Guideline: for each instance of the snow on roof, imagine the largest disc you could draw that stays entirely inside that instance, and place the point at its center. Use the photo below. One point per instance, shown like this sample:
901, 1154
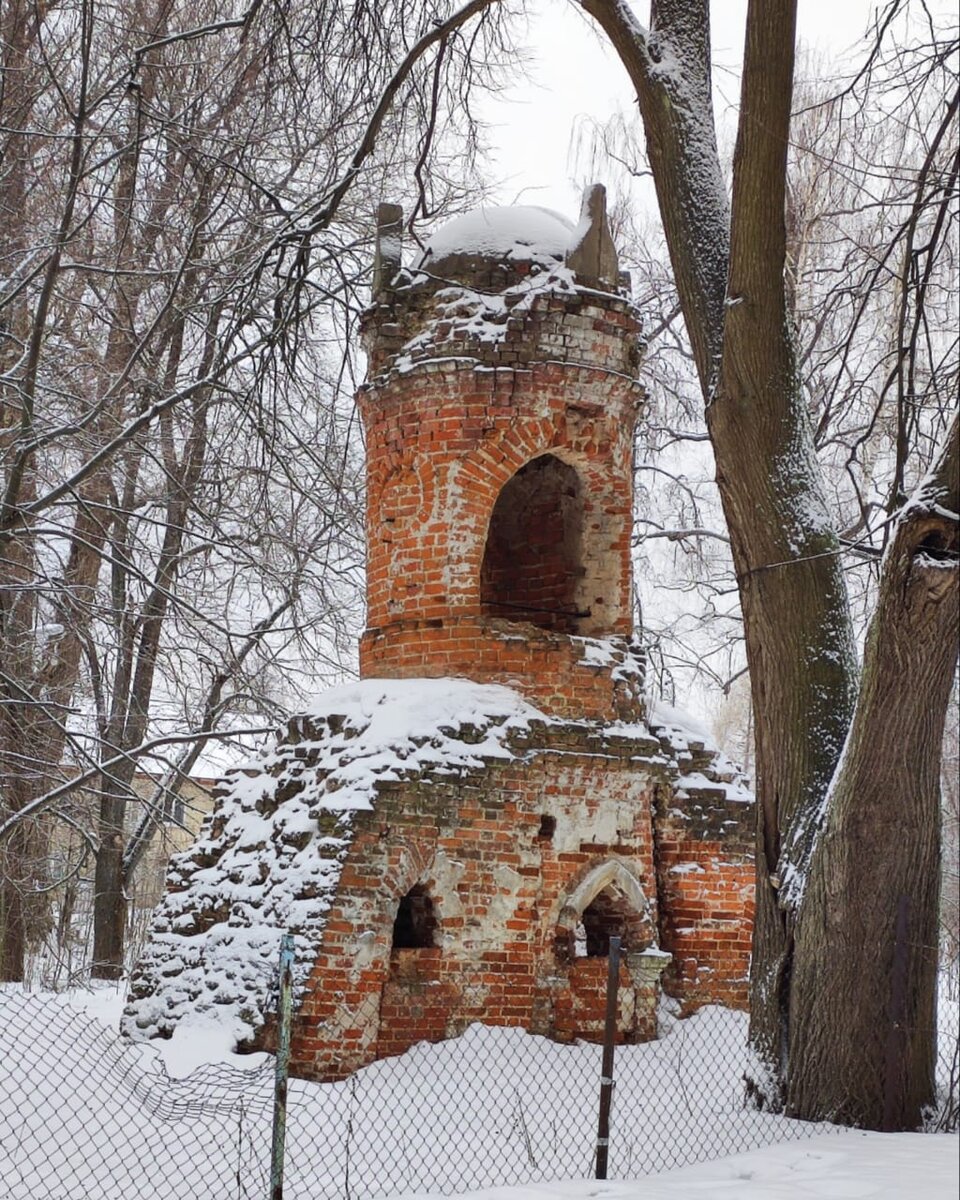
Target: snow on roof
523, 232
269, 856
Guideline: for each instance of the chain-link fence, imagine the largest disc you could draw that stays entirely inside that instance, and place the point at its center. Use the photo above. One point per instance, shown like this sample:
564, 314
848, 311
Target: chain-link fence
85, 1116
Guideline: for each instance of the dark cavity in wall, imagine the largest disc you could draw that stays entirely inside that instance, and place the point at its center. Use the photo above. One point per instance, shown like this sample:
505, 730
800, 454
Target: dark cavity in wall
611, 915
415, 926
533, 561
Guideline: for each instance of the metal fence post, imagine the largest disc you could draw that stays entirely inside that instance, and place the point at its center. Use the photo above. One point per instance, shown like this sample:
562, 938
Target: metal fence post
606, 1070
284, 1009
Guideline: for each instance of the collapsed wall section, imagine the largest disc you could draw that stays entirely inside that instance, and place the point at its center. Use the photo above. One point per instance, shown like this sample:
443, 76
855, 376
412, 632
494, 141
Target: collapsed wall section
513, 859
443, 853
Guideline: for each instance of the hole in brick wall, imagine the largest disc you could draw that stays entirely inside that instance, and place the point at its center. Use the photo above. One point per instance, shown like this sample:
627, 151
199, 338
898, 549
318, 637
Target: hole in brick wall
533, 560
548, 826
609, 915
415, 925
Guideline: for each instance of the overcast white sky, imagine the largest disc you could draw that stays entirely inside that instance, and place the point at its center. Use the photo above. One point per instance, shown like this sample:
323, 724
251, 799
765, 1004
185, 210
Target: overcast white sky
576, 79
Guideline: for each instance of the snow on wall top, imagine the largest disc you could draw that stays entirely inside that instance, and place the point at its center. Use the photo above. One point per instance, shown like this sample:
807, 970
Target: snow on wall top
482, 316
522, 232
692, 748
269, 857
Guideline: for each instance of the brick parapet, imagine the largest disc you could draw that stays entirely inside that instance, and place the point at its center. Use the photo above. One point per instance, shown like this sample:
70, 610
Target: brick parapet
500, 315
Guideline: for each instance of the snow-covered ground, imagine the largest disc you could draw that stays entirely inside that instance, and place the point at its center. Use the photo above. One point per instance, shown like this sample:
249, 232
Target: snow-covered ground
845, 1166
85, 1116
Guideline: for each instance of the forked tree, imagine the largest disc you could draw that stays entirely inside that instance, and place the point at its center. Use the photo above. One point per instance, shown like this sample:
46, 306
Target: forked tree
848, 759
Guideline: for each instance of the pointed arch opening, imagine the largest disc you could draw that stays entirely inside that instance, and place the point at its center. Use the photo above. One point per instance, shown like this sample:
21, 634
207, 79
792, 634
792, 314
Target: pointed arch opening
609, 915
415, 925
533, 560
609, 902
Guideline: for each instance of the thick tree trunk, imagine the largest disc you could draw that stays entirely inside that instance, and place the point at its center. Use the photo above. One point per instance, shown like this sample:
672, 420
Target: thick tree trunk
862, 1034
799, 638
729, 273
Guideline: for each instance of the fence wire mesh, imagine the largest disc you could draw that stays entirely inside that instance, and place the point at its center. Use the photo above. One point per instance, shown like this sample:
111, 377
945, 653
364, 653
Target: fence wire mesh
86, 1116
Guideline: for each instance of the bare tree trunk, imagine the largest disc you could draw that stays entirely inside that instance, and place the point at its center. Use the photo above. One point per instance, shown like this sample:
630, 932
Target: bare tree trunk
729, 272
133, 685
862, 1033
798, 632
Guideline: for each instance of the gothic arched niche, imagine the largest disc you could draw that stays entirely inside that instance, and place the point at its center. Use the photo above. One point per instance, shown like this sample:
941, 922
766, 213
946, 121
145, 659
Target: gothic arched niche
610, 914
609, 902
533, 560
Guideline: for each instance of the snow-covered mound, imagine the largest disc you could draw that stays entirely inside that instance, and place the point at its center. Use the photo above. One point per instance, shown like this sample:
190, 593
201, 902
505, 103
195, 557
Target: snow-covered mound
269, 856
521, 232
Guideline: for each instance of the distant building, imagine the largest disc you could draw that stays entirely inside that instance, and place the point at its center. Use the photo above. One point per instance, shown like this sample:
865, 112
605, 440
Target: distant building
455, 838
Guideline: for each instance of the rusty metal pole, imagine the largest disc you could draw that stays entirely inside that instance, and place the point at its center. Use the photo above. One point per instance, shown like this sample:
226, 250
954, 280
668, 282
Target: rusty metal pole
606, 1070
284, 1010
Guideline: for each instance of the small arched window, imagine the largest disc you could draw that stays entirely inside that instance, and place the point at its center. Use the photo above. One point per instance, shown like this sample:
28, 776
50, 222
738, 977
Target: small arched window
533, 560
609, 915
415, 925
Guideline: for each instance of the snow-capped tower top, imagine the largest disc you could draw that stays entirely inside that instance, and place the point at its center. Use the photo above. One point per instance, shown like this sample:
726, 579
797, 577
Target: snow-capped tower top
499, 413
492, 251
520, 233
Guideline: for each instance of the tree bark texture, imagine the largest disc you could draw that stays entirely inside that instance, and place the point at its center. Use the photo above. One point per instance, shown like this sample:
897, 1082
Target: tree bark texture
729, 271
799, 638
862, 1033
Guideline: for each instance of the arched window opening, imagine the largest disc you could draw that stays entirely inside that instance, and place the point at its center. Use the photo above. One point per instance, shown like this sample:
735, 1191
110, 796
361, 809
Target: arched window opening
609, 915
415, 925
533, 560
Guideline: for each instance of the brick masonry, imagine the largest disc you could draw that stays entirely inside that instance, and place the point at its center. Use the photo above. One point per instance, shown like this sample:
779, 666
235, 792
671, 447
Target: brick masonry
499, 523
482, 883
513, 856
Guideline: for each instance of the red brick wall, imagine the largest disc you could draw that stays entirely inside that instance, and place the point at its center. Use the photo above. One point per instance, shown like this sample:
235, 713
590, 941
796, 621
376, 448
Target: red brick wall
705, 878
548, 668
444, 441
581, 1009
498, 890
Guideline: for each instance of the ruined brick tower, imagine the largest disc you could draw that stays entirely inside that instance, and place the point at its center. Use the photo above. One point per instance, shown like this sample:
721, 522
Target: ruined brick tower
499, 417
455, 838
